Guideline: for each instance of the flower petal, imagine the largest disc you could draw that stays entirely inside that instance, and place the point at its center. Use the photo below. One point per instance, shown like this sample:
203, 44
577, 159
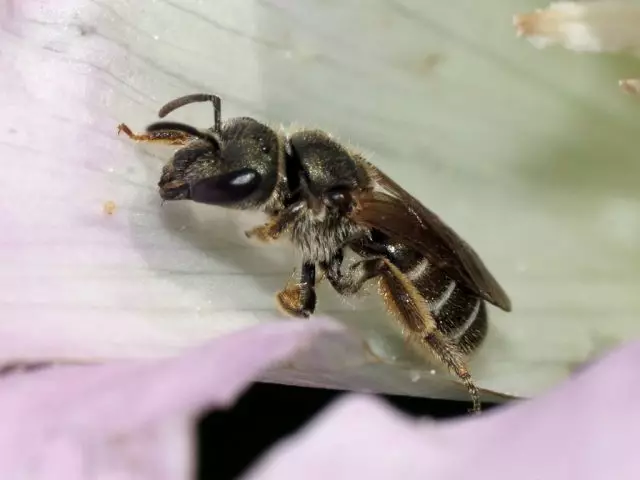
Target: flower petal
132, 418
589, 427
594, 26
504, 144
630, 85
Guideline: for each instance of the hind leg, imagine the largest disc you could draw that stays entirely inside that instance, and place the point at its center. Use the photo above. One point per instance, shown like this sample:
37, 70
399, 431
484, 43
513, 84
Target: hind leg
408, 307
350, 281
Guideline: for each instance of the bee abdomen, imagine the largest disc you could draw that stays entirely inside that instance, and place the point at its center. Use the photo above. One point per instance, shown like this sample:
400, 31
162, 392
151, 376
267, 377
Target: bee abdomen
459, 313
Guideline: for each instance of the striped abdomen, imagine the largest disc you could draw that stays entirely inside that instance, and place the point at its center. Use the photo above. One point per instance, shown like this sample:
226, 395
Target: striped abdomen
459, 313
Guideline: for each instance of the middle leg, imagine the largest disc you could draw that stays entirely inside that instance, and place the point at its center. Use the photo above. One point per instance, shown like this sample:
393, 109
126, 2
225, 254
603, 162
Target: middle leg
352, 280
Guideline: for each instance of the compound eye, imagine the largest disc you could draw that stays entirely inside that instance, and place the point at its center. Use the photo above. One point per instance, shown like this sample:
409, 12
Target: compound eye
226, 189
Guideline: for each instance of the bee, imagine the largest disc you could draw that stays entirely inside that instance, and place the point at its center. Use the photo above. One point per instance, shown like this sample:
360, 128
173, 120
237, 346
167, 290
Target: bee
328, 199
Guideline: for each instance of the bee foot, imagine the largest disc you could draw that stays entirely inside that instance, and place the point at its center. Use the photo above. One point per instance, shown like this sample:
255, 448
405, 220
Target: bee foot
123, 128
290, 302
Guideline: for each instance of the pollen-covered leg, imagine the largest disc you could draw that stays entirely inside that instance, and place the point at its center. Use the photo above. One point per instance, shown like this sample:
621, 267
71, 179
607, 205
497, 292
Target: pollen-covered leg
299, 299
407, 305
296, 300
166, 137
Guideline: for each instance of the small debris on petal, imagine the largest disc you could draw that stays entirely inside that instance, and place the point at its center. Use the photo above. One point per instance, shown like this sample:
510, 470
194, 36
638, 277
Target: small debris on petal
109, 207
630, 86
369, 355
597, 26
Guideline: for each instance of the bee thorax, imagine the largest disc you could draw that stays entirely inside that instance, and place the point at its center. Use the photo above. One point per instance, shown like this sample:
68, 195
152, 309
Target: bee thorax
319, 237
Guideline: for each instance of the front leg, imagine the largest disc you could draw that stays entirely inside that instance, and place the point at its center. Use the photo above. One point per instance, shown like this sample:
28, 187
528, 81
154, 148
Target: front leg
299, 300
352, 280
166, 137
275, 227
272, 230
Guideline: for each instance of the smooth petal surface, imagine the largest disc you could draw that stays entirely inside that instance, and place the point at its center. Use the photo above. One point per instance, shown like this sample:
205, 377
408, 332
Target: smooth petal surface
588, 428
531, 157
132, 420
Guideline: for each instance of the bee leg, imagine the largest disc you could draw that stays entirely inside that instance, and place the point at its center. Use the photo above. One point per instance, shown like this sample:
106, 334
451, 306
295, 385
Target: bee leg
352, 280
275, 227
299, 300
167, 137
409, 308
267, 232
406, 304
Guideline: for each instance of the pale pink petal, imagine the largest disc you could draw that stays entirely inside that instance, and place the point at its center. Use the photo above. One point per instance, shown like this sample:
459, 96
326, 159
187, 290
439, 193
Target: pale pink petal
588, 428
131, 420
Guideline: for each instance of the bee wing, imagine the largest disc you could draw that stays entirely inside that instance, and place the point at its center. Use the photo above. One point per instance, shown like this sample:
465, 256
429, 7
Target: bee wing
399, 215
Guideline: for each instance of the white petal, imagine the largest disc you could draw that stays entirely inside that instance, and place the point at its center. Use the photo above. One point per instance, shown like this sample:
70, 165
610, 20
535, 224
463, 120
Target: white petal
528, 156
630, 85
596, 26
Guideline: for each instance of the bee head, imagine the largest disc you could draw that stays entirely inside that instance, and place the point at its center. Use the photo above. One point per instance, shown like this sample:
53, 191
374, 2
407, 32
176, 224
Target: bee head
237, 168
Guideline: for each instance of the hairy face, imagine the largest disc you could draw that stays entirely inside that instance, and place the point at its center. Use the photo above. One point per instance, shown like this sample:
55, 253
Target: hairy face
239, 171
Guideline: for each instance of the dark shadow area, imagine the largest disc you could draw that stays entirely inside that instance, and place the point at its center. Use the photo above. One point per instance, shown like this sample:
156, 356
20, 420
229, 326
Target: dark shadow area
230, 441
